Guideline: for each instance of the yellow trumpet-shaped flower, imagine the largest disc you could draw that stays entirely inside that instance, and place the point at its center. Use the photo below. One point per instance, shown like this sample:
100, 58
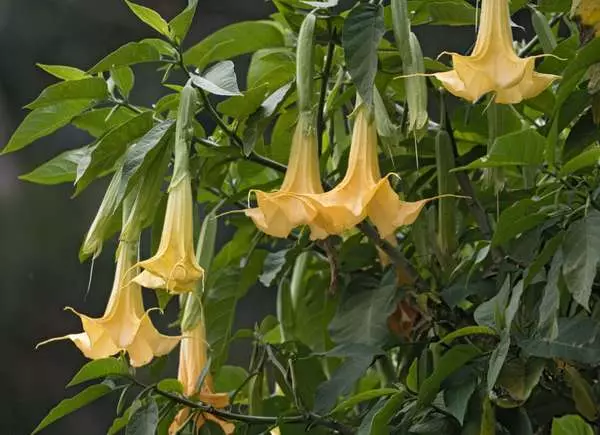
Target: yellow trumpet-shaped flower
174, 266
192, 363
494, 66
589, 12
125, 325
281, 211
362, 192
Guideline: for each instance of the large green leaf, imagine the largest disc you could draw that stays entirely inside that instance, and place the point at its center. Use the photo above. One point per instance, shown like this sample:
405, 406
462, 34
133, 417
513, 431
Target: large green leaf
110, 148
42, 122
72, 404
60, 169
63, 72
128, 54
571, 425
362, 314
98, 121
99, 369
363, 30
581, 249
92, 88
144, 420
220, 79
455, 358
584, 160
357, 360
578, 339
520, 218
234, 40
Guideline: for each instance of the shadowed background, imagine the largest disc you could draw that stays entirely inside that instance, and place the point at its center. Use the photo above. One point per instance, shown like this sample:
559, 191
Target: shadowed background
41, 228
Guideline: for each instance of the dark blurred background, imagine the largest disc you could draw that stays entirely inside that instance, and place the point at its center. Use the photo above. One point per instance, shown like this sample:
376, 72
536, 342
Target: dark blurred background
41, 228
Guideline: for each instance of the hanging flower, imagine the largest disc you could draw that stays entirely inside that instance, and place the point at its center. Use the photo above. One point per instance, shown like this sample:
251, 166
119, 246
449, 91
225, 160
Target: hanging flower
125, 325
494, 66
281, 211
363, 192
174, 266
192, 364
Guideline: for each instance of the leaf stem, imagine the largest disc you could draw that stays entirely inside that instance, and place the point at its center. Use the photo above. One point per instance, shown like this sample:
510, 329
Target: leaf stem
324, 83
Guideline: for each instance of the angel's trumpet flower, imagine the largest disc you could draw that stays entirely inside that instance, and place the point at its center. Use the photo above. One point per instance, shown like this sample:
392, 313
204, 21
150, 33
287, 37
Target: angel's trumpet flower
192, 364
125, 325
174, 266
363, 192
281, 211
494, 66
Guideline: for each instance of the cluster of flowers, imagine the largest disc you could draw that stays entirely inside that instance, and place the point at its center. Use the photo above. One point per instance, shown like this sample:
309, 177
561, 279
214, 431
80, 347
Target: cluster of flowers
363, 193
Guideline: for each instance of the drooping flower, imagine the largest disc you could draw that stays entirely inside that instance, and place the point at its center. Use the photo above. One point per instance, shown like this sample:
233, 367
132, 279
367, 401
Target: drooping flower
589, 12
494, 66
281, 211
174, 266
363, 192
192, 364
125, 325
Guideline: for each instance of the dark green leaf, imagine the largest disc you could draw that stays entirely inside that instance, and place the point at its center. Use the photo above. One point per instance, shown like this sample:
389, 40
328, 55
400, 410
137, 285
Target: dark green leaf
581, 249
584, 160
455, 358
362, 315
363, 397
519, 218
144, 420
72, 404
60, 169
585, 402
363, 30
100, 368
42, 122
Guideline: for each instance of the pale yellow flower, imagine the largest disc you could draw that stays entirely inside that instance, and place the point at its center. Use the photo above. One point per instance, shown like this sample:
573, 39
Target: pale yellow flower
589, 12
125, 325
174, 266
363, 192
281, 211
494, 66
192, 363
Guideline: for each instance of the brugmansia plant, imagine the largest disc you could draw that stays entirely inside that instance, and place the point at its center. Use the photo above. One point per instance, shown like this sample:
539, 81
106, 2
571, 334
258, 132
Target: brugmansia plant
429, 230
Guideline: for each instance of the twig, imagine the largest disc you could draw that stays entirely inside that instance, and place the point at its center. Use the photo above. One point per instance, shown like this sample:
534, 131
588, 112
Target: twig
309, 418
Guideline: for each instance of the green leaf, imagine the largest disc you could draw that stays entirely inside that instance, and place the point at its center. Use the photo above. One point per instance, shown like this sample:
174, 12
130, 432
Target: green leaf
110, 147
358, 358
63, 72
128, 54
42, 122
170, 386
144, 420
150, 17
587, 56
100, 368
98, 121
550, 303
578, 339
457, 397
220, 79
180, 25
242, 106
92, 88
363, 30
519, 218
571, 425
124, 78
466, 331
229, 379
235, 40
363, 397
582, 392
60, 169
72, 404
455, 358
522, 148
362, 314
586, 159
581, 249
